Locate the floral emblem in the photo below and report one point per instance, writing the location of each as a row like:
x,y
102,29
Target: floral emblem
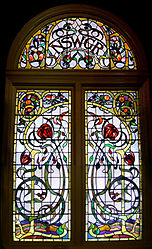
x,y
129,158
110,131
45,131
25,159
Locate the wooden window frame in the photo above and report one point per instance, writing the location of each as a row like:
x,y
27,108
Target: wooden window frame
x,y
78,81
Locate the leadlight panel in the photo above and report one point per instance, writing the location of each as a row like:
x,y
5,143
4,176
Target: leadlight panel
x,y
77,43
42,166
113,166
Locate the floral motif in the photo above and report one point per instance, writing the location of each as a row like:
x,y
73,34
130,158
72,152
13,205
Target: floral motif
x,y
129,158
45,131
77,43
25,159
110,131
29,105
37,50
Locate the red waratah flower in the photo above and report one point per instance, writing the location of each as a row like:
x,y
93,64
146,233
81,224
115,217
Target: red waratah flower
x,y
25,159
129,158
110,131
44,131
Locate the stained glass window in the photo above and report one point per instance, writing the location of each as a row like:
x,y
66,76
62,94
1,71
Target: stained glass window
x,y
77,43
42,161
113,166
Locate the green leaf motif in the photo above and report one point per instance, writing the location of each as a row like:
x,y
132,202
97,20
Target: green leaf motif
x,y
91,159
91,144
96,133
59,134
60,230
65,144
133,123
91,226
36,200
65,158
32,218
109,145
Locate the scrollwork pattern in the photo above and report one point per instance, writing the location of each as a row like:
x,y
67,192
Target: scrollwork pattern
x,y
41,166
113,166
77,43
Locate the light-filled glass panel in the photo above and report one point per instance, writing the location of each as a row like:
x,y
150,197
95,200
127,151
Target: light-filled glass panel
x,y
77,43
42,166
113,166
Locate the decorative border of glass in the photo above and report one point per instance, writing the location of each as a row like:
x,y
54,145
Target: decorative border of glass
x,y
77,43
113,166
42,166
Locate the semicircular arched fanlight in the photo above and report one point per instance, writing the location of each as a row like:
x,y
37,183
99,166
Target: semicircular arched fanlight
x,y
77,43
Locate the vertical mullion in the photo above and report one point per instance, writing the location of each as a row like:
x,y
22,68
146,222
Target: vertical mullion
x,y
78,171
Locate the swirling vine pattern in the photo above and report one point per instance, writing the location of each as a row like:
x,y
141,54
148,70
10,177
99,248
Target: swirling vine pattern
x,y
113,165
77,43
41,152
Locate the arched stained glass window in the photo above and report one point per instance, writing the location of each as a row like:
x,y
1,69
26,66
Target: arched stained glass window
x,y
42,139
77,43
75,150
